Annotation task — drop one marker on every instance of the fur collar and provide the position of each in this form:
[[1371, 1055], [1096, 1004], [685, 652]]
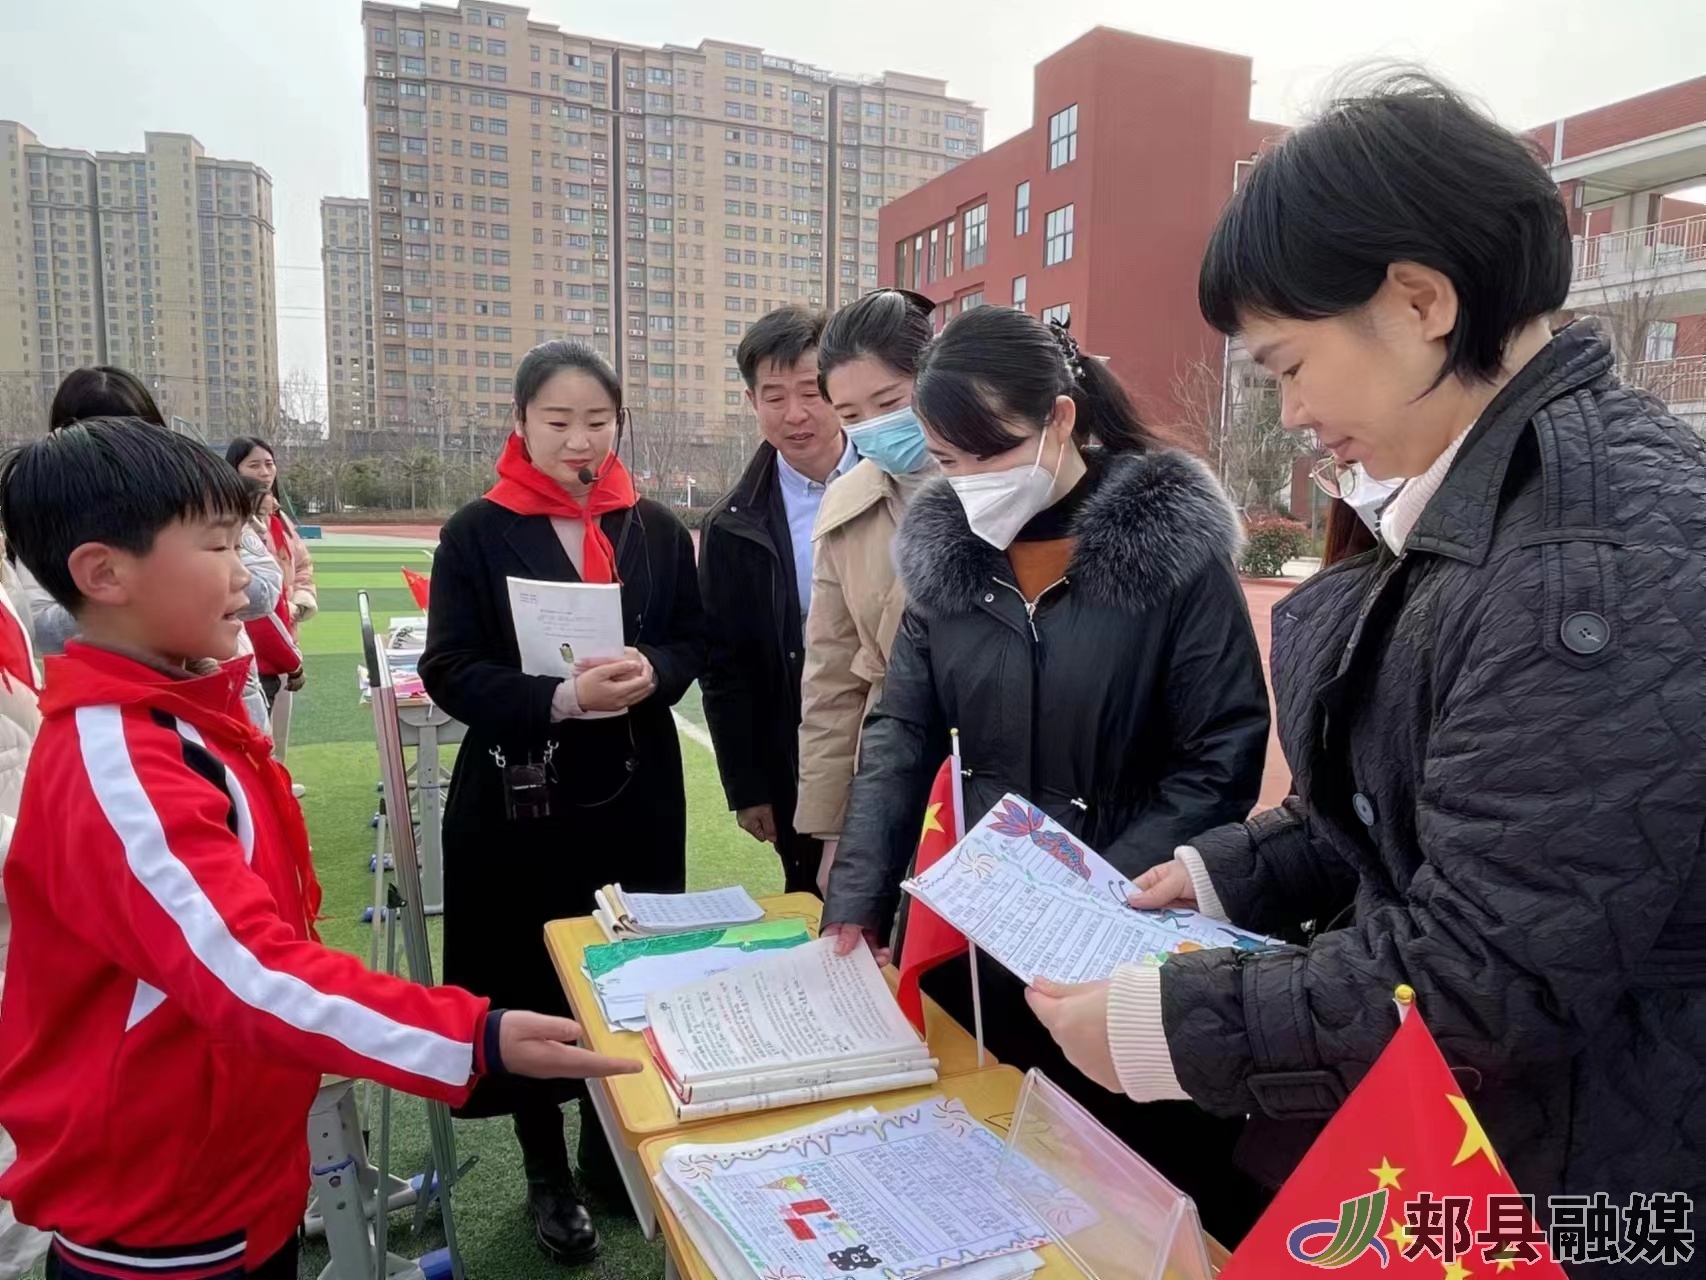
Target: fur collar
[[1153, 522]]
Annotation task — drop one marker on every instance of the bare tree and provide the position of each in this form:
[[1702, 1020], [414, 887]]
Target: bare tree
[[23, 408], [301, 412], [660, 442], [1237, 420], [250, 411], [730, 452], [1627, 314]]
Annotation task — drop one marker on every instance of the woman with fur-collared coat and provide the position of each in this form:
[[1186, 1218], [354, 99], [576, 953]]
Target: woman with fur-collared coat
[[1075, 614]]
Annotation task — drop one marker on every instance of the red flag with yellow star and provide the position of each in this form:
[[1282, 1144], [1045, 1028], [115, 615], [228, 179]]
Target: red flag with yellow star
[[1402, 1182], [929, 940], [418, 584]]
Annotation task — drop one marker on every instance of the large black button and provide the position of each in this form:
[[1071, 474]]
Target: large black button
[[1364, 809], [1586, 633]]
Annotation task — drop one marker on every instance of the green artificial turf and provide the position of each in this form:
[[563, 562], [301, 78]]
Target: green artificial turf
[[332, 754]]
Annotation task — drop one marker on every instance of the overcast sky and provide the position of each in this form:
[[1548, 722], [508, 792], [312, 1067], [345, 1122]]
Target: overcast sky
[[281, 83]]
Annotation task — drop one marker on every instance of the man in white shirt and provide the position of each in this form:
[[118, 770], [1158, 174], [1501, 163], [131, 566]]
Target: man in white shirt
[[755, 576]]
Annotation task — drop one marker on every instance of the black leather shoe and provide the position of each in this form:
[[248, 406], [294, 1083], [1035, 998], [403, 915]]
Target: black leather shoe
[[561, 1223]]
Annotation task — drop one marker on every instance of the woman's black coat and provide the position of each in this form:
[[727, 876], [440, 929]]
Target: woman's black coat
[[618, 806], [1128, 703]]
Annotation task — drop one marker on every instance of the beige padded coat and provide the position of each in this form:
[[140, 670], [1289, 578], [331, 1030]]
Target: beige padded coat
[[856, 608]]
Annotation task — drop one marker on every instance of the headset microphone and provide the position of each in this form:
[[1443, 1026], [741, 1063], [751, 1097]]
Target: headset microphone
[[586, 476]]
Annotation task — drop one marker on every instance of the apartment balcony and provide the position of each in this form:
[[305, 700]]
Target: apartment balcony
[[1664, 262], [1680, 383]]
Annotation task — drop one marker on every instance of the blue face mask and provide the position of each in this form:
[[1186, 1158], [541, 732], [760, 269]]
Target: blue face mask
[[894, 442]]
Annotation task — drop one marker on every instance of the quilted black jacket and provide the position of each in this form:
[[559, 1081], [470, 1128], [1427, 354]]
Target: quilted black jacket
[[1498, 743]]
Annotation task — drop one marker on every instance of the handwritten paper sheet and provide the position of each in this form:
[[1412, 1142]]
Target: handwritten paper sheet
[[679, 912], [1046, 905], [623, 974], [785, 1012], [899, 1195]]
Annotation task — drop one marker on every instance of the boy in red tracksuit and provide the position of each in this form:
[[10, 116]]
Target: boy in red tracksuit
[[168, 1011]]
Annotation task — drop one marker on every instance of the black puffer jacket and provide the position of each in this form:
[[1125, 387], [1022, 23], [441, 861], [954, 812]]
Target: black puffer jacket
[[1498, 741], [1130, 706]]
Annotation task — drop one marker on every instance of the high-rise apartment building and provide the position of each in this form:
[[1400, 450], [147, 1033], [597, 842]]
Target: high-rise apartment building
[[346, 263], [528, 183], [892, 135], [160, 261]]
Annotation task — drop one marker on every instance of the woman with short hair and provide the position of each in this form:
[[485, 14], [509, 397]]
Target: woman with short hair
[[1495, 723]]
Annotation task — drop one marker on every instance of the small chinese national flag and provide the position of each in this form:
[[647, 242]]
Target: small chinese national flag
[[1402, 1182], [418, 584], [929, 940]]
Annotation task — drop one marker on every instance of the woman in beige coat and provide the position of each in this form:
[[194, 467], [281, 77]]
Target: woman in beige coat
[[866, 362]]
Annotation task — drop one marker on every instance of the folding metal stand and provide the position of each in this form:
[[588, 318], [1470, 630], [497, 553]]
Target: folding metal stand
[[353, 1197]]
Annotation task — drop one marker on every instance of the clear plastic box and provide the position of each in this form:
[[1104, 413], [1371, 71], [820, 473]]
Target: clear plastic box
[[1107, 1209]]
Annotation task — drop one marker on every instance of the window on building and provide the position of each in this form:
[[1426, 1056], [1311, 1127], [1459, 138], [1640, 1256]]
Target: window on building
[[1661, 341], [935, 261], [1057, 248], [1061, 314], [1021, 288], [1063, 137], [1022, 209], [970, 301], [977, 235]]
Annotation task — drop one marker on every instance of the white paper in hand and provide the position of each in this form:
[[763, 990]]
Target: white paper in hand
[[558, 623], [1046, 905]]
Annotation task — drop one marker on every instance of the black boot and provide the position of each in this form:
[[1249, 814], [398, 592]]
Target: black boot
[[596, 1165], [561, 1223]]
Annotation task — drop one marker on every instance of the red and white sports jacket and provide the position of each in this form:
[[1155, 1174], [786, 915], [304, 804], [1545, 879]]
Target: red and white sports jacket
[[277, 651], [168, 1011]]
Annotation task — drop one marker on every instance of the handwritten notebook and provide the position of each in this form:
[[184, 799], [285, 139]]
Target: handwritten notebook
[[905, 1193], [794, 1026], [1046, 905], [623, 974], [624, 915]]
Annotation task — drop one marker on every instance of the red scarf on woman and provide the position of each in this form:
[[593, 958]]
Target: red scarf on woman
[[526, 490]]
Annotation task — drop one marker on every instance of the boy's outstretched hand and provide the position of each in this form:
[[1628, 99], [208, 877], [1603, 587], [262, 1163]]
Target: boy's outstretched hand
[[534, 1044]]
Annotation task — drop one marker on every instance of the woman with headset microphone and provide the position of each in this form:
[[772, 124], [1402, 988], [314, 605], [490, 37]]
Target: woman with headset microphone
[[562, 785]]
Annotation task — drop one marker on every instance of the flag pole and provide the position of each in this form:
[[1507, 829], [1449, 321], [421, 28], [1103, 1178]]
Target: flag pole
[[971, 947], [1404, 996]]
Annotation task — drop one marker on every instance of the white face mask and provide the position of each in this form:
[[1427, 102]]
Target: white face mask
[[1366, 496], [1000, 503]]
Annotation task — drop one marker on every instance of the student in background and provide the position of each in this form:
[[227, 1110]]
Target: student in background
[[1074, 612], [866, 362], [755, 573], [168, 1010], [266, 637], [253, 457], [561, 786], [1494, 725]]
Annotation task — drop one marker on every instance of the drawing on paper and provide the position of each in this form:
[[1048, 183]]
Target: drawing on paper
[[856, 1258], [1022, 820]]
